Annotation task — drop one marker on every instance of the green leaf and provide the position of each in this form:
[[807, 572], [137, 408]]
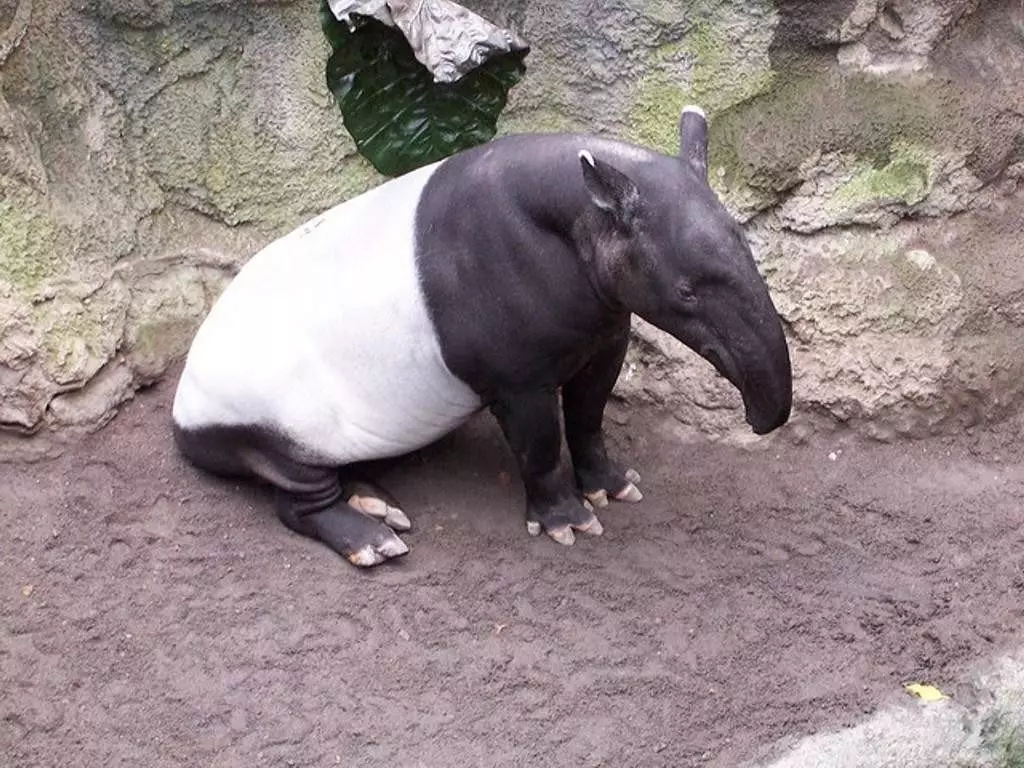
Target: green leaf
[[398, 116]]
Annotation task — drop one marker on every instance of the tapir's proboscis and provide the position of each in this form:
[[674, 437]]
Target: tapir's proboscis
[[503, 277]]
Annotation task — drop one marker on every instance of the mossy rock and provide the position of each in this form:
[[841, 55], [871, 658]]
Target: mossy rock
[[543, 120], [717, 66], [905, 178], [78, 337], [763, 141], [31, 251]]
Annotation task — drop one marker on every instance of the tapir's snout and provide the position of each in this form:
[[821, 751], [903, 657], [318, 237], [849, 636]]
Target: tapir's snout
[[766, 383], [746, 344], [756, 362], [767, 419]]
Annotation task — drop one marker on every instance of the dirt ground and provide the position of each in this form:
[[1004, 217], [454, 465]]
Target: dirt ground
[[153, 616]]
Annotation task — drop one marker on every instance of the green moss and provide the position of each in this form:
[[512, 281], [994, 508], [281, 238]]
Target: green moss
[[150, 338], [76, 341], [1002, 737], [217, 176], [763, 141], [906, 178], [721, 78], [544, 120], [233, 158], [29, 249], [246, 177], [654, 118], [723, 74], [665, 11]]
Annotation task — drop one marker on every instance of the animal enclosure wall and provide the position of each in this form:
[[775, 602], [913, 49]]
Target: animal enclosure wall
[[875, 150]]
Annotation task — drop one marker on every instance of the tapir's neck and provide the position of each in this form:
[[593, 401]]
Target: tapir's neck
[[526, 191], [542, 173], [499, 223]]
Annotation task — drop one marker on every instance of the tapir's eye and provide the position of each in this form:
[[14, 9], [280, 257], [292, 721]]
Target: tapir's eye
[[684, 294]]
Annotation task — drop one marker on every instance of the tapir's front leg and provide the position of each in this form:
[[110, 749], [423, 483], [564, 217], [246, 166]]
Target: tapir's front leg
[[532, 427], [583, 402]]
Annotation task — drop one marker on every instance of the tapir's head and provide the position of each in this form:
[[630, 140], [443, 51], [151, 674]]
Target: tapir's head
[[663, 246]]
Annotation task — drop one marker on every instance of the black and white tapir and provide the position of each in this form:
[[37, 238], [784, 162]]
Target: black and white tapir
[[502, 277]]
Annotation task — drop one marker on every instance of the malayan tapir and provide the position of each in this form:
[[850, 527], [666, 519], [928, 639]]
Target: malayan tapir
[[502, 277]]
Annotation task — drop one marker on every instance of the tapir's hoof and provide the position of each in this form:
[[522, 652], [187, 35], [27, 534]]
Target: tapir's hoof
[[563, 521], [375, 507], [359, 538], [563, 535], [630, 493], [371, 555], [592, 528], [603, 496]]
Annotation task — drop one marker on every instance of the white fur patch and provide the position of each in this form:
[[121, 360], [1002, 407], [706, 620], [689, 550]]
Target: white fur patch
[[586, 156], [324, 335], [694, 109]]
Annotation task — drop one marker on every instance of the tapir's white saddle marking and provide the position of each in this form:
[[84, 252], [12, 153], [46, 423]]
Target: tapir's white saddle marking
[[324, 336]]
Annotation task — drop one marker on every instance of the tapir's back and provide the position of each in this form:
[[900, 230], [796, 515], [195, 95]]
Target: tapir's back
[[324, 336]]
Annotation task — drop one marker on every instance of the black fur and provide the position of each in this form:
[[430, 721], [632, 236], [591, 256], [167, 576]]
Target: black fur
[[533, 253]]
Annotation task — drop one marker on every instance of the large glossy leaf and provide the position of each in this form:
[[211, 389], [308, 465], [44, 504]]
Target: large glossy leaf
[[398, 116]]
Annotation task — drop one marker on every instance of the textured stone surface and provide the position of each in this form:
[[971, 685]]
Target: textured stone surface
[[875, 150], [881, 196], [978, 726], [146, 149]]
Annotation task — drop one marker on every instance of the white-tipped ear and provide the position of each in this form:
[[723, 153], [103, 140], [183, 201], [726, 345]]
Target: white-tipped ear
[[693, 139], [610, 189]]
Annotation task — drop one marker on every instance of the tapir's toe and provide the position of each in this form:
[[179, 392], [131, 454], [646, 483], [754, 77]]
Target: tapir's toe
[[374, 507], [592, 527], [358, 537], [373, 554], [563, 520], [563, 535], [365, 557], [630, 493], [375, 502], [618, 486]]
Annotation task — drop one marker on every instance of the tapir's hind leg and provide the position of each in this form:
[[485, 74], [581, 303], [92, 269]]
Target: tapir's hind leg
[[583, 402], [310, 499]]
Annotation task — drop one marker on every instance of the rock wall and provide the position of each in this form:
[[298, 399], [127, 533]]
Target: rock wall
[[875, 149]]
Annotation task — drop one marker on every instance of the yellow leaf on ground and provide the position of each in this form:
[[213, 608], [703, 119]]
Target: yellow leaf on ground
[[925, 692]]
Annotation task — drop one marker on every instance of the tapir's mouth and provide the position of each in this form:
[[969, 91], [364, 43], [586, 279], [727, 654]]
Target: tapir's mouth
[[762, 416], [760, 426], [762, 377]]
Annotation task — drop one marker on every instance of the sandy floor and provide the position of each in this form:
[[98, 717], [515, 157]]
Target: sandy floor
[[152, 616]]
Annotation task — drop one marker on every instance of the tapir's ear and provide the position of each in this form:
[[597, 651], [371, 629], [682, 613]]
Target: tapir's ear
[[610, 189], [693, 139]]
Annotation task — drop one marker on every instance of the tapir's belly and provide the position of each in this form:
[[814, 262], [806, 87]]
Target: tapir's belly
[[325, 337]]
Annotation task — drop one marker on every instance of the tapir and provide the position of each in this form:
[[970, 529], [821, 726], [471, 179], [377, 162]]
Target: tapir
[[500, 278]]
